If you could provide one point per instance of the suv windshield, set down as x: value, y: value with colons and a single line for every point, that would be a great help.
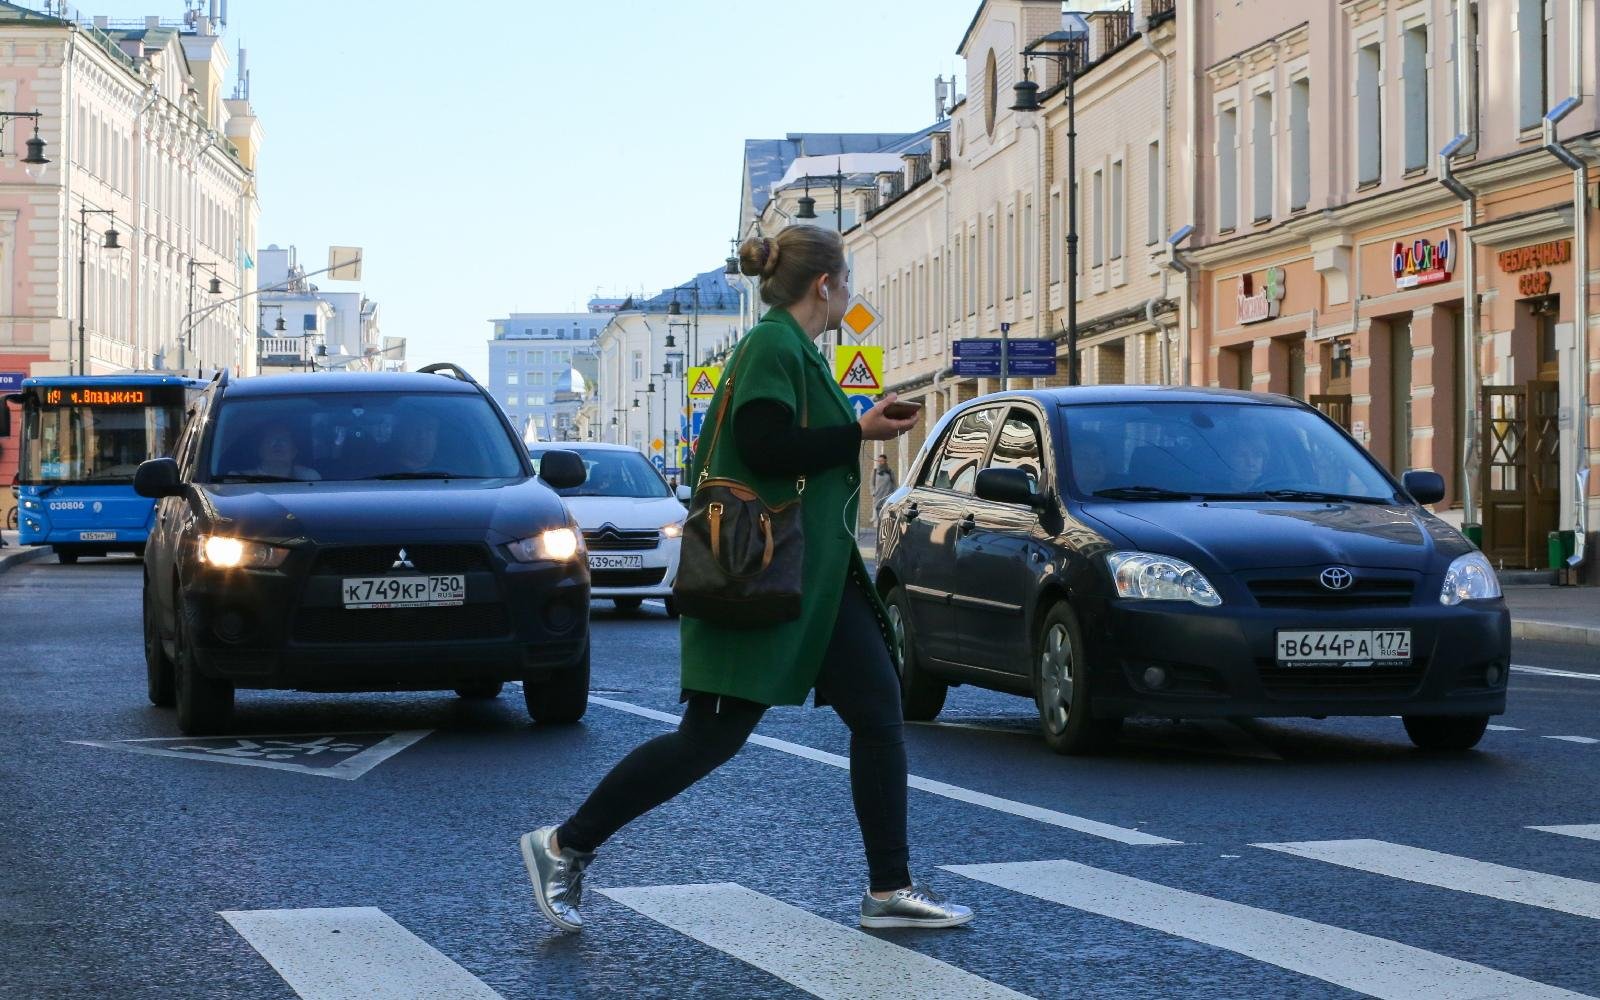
x: 351, y: 436
x: 1215, y: 450
x: 615, y: 474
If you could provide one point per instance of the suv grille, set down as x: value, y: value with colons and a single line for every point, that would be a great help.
x: 613, y: 539
x: 466, y: 621
x: 1365, y: 592
x: 375, y: 559
x: 626, y: 577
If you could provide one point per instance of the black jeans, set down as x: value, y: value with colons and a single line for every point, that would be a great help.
x: 858, y: 679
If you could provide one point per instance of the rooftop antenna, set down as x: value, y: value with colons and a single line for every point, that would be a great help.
x: 941, y: 95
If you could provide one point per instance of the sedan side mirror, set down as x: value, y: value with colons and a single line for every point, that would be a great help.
x: 1008, y: 486
x: 158, y: 478
x: 1424, y: 486
x: 562, y: 469
x: 685, y: 493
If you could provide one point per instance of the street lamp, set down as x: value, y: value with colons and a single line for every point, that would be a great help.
x: 110, y: 242
x: 808, y: 204
x: 34, y: 163
x: 214, y: 286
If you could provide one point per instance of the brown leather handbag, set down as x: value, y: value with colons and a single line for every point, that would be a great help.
x: 741, y: 561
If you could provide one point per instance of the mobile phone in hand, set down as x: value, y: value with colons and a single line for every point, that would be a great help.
x: 902, y: 410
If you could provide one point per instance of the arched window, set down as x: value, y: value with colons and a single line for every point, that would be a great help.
x: 991, y: 95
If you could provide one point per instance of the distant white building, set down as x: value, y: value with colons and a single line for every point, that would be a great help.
x: 302, y: 327
x: 537, y: 366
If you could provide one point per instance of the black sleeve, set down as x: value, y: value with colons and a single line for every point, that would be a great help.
x: 770, y: 444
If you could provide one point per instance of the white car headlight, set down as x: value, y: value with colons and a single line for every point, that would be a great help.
x: 232, y: 553
x: 1145, y: 576
x: 673, y: 530
x: 1469, y: 578
x: 555, y: 545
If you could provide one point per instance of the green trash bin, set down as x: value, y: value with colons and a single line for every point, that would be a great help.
x: 1560, y: 545
x: 1474, y: 533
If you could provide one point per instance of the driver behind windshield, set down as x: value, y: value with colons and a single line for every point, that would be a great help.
x: 275, y: 453
x: 1244, y: 459
x: 417, y: 441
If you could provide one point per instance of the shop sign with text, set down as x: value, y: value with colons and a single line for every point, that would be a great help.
x: 1424, y: 262
x: 1255, y: 306
x: 1522, y: 261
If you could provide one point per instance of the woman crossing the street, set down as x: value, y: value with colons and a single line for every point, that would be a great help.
x: 789, y: 425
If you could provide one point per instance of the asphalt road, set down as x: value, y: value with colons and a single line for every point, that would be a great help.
x: 370, y: 841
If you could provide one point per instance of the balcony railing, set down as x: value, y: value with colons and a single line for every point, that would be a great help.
x: 1162, y: 8
x: 1119, y: 28
x: 284, y: 350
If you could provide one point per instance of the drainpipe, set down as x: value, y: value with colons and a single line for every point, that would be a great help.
x: 1469, y: 321
x: 1166, y: 196
x: 1580, y: 311
x: 1177, y: 262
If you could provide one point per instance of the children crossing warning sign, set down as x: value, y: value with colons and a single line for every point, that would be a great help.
x: 703, y: 382
x: 858, y: 369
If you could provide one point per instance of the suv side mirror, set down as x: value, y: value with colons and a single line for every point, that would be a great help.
x: 562, y: 469
x: 158, y: 478
x: 1424, y: 486
x: 1008, y: 486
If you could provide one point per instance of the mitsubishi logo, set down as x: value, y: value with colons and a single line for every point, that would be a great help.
x: 1337, y: 578
x: 404, y: 562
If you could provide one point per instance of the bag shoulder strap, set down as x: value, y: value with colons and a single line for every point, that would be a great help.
x: 722, y: 413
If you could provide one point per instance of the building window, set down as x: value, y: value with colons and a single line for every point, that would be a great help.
x: 1299, y: 144
x: 511, y: 358
x: 936, y: 297
x: 1009, y: 238
x: 638, y: 366
x: 536, y: 378
x: 1055, y: 227
x: 1414, y: 84
x: 511, y: 378
x: 994, y: 266
x: 1228, y: 169
x: 1261, y: 155
x: 1097, y: 218
x: 511, y: 400
x: 1369, y: 114
x: 991, y: 93
x: 536, y: 358
x: 535, y: 399
x: 1030, y: 245
x: 972, y: 274
x: 1114, y: 223
x: 1153, y: 178
x: 1533, y: 53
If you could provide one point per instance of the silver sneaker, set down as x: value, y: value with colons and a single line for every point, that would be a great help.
x: 557, y: 878
x: 916, y: 906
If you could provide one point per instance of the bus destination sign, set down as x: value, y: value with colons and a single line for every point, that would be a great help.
x: 95, y: 396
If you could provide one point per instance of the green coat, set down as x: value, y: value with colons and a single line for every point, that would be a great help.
x: 778, y: 665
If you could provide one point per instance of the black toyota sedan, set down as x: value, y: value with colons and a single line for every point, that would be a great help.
x: 1127, y: 550
x: 360, y: 532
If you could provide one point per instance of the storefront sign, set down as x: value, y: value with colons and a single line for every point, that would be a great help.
x: 1538, y: 255
x: 1254, y: 306
x: 1423, y: 262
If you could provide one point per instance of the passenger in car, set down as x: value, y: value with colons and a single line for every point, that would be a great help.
x: 275, y: 454
x: 417, y: 438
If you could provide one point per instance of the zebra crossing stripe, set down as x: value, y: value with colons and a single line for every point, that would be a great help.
x: 353, y: 953
x: 1588, y: 831
x: 1095, y: 828
x: 818, y: 956
x: 1371, y: 965
x: 1447, y: 871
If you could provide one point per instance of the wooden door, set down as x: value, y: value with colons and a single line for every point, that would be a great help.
x: 1521, y: 471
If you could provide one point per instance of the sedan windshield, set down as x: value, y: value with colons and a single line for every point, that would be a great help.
x: 615, y: 474
x: 354, y: 436
x: 1215, y: 450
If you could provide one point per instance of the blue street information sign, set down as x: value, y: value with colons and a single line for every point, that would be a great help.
x: 12, y: 381
x: 860, y: 404
x: 1024, y: 358
x: 658, y: 461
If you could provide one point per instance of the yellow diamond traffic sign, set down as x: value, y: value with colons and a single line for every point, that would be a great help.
x: 860, y: 318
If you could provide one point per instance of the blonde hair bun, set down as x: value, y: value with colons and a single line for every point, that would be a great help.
x: 758, y: 257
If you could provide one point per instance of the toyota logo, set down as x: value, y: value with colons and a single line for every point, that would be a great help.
x: 1337, y: 578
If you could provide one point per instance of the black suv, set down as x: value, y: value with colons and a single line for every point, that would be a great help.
x: 361, y: 532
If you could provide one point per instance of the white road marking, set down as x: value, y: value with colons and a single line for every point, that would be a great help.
x: 1550, y: 672
x: 1588, y: 831
x: 821, y: 957
x: 1504, y: 729
x: 257, y: 751
x: 354, y: 953
x: 1574, y: 739
x: 1447, y: 871
x: 1366, y: 964
x: 1094, y: 828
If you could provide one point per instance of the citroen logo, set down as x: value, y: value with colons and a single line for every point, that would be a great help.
x: 404, y: 562
x: 1337, y: 578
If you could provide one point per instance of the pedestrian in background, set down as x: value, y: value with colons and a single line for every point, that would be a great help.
x: 883, y: 483
x: 787, y: 419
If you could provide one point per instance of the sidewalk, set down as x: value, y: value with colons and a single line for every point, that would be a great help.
x: 15, y: 555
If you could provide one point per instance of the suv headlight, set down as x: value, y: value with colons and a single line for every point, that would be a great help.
x: 1145, y: 576
x: 555, y: 545
x: 1469, y: 578
x: 673, y: 530
x: 226, y: 552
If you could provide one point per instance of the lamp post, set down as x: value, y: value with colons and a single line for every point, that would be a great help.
x: 808, y: 204
x: 278, y: 327
x: 34, y: 163
x: 214, y: 286
x: 110, y: 243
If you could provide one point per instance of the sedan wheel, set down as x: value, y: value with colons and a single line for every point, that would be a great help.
x: 204, y: 704
x: 921, y: 695
x: 628, y: 603
x: 159, y: 679
x: 1445, y: 732
x: 1061, y: 689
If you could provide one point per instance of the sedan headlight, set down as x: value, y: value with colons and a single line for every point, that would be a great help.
x: 233, y: 553
x: 673, y: 530
x: 1469, y: 578
x: 1145, y: 576
x: 555, y: 545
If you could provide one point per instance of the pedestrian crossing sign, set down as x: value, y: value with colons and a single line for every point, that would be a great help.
x: 703, y: 382
x: 858, y: 369
x: 860, y: 318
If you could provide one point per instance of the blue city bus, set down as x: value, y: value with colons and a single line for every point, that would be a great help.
x: 83, y: 438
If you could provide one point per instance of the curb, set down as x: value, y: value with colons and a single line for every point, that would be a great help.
x: 1580, y: 635
x: 10, y: 558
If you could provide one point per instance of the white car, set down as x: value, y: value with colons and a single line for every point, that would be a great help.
x: 632, y: 523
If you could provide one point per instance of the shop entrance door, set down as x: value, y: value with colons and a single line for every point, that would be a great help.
x: 1521, y: 471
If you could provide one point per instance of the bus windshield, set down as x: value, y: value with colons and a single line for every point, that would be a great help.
x: 80, y: 444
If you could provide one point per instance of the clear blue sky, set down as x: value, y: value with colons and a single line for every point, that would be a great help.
x: 516, y: 154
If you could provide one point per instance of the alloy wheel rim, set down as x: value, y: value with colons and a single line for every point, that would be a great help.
x: 1055, y: 678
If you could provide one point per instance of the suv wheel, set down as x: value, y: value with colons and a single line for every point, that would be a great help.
x: 1061, y: 688
x: 672, y: 607
x: 921, y: 695
x: 204, y: 704
x: 480, y: 690
x: 562, y: 697
x: 1445, y: 732
x: 159, y: 678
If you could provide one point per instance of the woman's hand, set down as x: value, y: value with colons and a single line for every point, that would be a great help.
x: 879, y: 426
